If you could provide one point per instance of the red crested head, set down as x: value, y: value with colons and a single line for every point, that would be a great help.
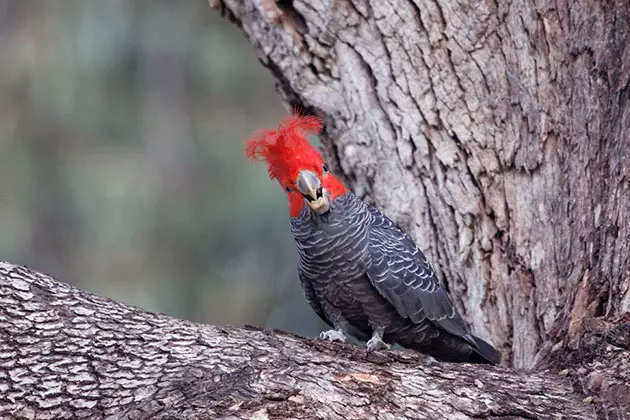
x: 296, y: 164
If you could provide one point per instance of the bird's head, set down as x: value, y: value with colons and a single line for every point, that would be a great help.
x: 298, y: 166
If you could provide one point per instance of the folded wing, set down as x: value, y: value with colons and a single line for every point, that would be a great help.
x: 402, y: 275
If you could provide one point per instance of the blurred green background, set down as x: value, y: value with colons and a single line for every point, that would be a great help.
x: 121, y: 164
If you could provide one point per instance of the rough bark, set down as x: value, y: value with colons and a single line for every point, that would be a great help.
x: 68, y: 354
x: 496, y: 133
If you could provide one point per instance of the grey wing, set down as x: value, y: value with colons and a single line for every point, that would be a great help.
x: 311, y: 297
x: 402, y: 275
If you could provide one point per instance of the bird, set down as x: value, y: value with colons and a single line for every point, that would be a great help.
x: 360, y: 272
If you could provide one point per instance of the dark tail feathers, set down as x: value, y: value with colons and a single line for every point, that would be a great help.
x: 484, y: 353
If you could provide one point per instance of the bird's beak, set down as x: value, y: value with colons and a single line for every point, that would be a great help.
x: 311, y: 188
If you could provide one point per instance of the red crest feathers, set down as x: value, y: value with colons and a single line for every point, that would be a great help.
x: 285, y: 149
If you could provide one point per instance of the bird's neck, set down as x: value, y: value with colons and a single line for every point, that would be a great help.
x: 347, y: 216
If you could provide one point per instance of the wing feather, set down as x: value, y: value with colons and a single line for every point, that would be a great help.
x: 402, y: 275
x: 311, y: 297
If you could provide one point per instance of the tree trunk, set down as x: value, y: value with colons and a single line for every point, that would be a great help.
x: 68, y: 354
x: 496, y: 133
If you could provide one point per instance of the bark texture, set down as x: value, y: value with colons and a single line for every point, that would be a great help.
x: 496, y: 133
x: 68, y: 354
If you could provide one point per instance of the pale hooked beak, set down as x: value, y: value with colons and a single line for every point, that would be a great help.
x: 311, y: 188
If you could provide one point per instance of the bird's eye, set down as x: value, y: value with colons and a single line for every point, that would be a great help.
x: 325, y: 169
x: 288, y: 189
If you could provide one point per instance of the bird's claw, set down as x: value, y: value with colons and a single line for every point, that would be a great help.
x: 376, y: 343
x: 333, y: 335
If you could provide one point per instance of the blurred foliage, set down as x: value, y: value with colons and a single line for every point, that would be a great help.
x: 121, y: 164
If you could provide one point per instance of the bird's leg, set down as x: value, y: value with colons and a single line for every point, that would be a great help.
x: 376, y: 342
x: 333, y: 335
x: 341, y: 327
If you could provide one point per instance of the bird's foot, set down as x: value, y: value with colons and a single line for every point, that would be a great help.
x: 376, y: 343
x: 333, y: 335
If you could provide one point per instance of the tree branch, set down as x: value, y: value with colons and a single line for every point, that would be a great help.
x: 66, y: 353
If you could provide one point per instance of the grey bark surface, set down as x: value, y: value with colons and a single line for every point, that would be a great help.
x: 68, y: 354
